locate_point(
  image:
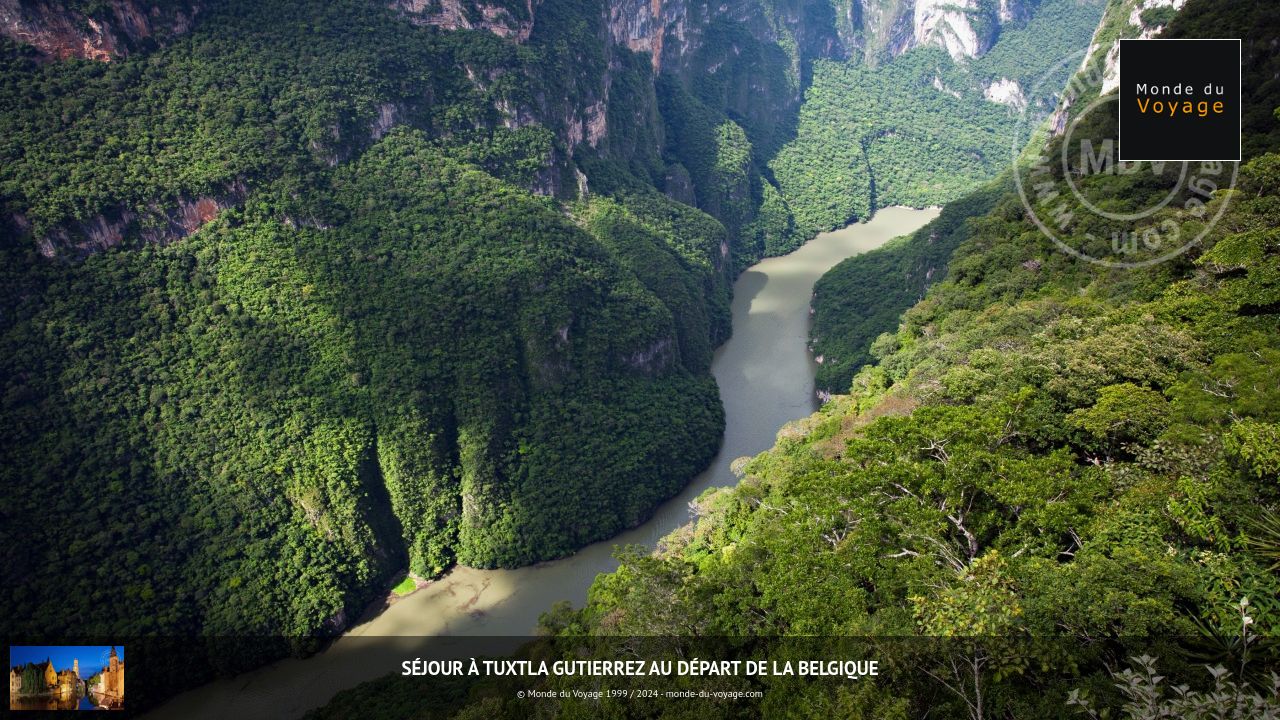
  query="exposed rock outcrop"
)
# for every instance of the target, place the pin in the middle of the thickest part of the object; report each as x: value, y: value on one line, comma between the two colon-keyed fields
x: 652, y: 360
x: 108, y: 229
x: 1099, y: 72
x: 883, y: 29
x: 1006, y: 92
x: 644, y: 25
x: 1145, y: 30
x: 508, y: 21
x: 60, y: 33
x: 386, y: 119
x: 949, y: 24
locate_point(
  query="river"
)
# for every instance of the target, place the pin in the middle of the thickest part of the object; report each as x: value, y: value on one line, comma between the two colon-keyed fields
x: 765, y: 374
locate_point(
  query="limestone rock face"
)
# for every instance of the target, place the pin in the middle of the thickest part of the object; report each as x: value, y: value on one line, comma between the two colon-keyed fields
x: 948, y: 24
x: 509, y: 20
x: 884, y: 29
x: 1100, y: 70
x: 59, y: 33
x: 1006, y: 92
x: 754, y: 52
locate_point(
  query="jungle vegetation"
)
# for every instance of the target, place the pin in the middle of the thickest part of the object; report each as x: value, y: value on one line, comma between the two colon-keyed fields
x: 1053, y: 494
x: 382, y: 352
x: 306, y: 297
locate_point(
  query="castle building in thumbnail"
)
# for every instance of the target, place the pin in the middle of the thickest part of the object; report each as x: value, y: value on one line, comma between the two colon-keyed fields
x: 111, y: 681
x: 69, y: 679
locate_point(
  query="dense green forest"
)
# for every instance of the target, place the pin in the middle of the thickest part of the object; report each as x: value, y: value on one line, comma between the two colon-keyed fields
x: 381, y: 352
x: 255, y: 327
x: 917, y: 130
x: 311, y: 293
x: 249, y: 391
x: 864, y: 296
x: 1059, y: 479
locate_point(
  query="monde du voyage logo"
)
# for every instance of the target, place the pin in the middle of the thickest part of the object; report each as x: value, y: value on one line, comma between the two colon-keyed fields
x: 1143, y: 166
x: 1180, y: 100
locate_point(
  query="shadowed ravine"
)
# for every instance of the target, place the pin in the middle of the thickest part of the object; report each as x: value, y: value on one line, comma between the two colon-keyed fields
x: 765, y: 374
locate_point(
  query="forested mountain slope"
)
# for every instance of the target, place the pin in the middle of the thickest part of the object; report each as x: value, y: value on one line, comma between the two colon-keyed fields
x: 1047, y: 449
x: 1054, y: 469
x: 862, y: 297
x: 1056, y: 490
x: 281, y: 315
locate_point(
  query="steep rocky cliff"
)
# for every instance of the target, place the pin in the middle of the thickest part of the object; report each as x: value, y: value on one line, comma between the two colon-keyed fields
x: 880, y: 30
x: 1099, y: 71
x: 512, y: 20
x: 744, y: 61
x: 94, y: 31
x: 692, y: 97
